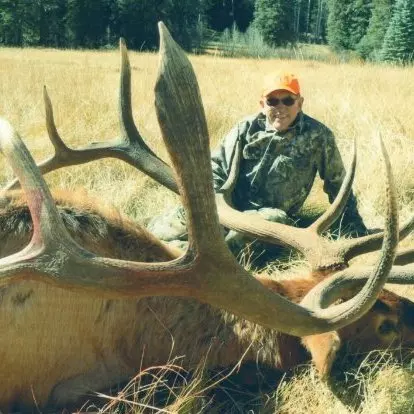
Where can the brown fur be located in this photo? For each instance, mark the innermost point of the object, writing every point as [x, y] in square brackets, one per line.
[56, 345]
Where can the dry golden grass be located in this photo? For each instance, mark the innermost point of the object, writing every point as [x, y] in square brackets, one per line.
[354, 100]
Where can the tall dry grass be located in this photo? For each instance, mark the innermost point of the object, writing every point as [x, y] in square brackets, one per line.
[356, 101]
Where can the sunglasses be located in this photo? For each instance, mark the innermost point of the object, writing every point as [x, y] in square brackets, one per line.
[288, 101]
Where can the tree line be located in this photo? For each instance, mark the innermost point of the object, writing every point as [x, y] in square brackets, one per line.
[380, 30]
[99, 23]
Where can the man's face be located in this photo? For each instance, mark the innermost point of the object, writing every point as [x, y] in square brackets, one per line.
[281, 108]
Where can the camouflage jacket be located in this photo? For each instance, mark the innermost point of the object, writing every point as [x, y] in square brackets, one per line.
[278, 169]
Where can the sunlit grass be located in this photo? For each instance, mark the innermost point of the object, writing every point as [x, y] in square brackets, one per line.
[356, 101]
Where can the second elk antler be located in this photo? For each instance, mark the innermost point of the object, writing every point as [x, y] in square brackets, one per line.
[208, 271]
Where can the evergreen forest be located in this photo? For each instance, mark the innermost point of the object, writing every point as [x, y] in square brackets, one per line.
[375, 30]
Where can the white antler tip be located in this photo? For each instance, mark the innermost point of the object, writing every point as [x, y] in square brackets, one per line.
[122, 44]
[165, 36]
[162, 27]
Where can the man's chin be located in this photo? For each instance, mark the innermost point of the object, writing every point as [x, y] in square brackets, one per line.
[280, 126]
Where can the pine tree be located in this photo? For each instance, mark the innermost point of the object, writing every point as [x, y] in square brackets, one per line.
[113, 28]
[29, 21]
[181, 17]
[97, 15]
[224, 14]
[243, 13]
[217, 14]
[398, 45]
[12, 22]
[137, 22]
[275, 21]
[51, 24]
[316, 20]
[360, 14]
[301, 11]
[87, 21]
[76, 23]
[339, 23]
[38, 22]
[371, 43]
[347, 22]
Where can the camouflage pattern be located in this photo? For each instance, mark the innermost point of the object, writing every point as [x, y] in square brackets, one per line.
[276, 174]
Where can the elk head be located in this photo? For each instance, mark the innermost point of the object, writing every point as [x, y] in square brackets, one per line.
[389, 325]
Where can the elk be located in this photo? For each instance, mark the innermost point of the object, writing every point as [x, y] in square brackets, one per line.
[88, 298]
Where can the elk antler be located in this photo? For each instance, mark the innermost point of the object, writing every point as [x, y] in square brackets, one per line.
[321, 253]
[404, 257]
[349, 281]
[130, 147]
[207, 271]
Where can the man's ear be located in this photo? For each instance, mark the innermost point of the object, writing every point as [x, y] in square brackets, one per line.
[261, 102]
[300, 102]
[323, 349]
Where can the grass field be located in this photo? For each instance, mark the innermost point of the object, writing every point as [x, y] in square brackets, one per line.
[356, 101]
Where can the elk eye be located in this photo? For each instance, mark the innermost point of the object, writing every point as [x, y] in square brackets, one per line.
[387, 327]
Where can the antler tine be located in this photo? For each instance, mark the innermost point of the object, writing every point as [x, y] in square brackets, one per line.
[355, 247]
[138, 154]
[321, 253]
[130, 148]
[228, 187]
[329, 290]
[129, 130]
[404, 257]
[182, 120]
[63, 154]
[304, 240]
[336, 208]
[366, 244]
[255, 226]
[218, 280]
[349, 281]
[44, 214]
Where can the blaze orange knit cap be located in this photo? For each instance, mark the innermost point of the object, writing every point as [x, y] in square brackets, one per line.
[284, 81]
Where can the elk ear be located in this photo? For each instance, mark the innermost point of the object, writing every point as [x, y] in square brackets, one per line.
[323, 348]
